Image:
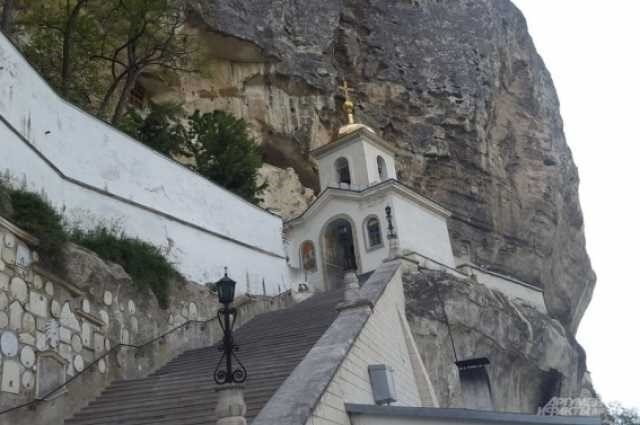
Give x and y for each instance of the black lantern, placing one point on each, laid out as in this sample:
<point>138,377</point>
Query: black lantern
<point>392,233</point>
<point>226,288</point>
<point>227,374</point>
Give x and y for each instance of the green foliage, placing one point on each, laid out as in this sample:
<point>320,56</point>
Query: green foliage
<point>223,152</point>
<point>6,210</point>
<point>215,144</point>
<point>160,129</point>
<point>144,262</point>
<point>619,415</point>
<point>95,51</point>
<point>34,215</point>
<point>64,37</point>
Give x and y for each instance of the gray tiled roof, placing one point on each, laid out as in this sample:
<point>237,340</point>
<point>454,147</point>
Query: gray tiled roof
<point>182,392</point>
<point>438,415</point>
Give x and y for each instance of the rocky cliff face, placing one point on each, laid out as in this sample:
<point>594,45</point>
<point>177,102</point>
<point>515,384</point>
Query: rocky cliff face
<point>533,357</point>
<point>456,85</point>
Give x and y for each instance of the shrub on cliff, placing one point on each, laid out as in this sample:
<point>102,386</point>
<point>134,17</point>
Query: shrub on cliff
<point>6,210</point>
<point>215,144</point>
<point>35,215</point>
<point>144,262</point>
<point>225,153</point>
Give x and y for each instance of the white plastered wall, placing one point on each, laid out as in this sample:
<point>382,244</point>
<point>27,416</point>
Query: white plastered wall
<point>382,341</point>
<point>355,211</point>
<point>354,153</point>
<point>110,178</point>
<point>422,231</point>
<point>371,153</point>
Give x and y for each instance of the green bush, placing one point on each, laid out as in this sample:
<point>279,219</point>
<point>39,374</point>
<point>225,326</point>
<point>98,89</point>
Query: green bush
<point>6,210</point>
<point>33,214</point>
<point>144,262</point>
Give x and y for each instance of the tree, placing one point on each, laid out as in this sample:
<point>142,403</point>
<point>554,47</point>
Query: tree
<point>619,415</point>
<point>160,128</point>
<point>63,35</point>
<point>223,152</point>
<point>6,19</point>
<point>215,144</point>
<point>147,36</point>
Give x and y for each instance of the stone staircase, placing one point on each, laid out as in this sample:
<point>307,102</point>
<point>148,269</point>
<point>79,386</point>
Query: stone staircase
<point>182,392</point>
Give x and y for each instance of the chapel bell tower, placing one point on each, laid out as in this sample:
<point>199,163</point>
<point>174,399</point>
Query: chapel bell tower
<point>358,158</point>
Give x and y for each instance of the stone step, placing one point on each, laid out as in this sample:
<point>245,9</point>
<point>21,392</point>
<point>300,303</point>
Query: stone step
<point>203,400</point>
<point>205,375</point>
<point>162,392</point>
<point>182,392</point>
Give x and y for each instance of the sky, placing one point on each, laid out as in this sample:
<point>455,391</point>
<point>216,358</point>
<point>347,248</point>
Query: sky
<point>592,49</point>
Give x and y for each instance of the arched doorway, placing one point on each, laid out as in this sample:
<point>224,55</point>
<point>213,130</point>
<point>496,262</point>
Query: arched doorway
<point>339,252</point>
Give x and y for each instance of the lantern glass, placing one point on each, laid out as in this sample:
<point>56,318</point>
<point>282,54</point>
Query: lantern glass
<point>226,289</point>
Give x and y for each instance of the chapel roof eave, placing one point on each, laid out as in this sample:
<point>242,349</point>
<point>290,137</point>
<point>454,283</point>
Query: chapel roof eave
<point>387,185</point>
<point>358,132</point>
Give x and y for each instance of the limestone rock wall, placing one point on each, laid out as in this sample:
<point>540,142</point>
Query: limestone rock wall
<point>284,194</point>
<point>52,329</point>
<point>456,85</point>
<point>532,356</point>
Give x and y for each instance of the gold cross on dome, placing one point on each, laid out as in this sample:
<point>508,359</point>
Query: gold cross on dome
<point>348,104</point>
<point>346,90</point>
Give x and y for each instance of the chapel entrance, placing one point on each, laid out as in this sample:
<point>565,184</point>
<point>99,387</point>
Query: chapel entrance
<point>339,252</point>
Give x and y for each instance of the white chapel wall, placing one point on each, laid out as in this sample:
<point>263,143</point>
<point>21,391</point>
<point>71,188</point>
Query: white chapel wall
<point>96,174</point>
<point>356,212</point>
<point>354,153</point>
<point>422,231</point>
<point>382,341</point>
<point>371,153</point>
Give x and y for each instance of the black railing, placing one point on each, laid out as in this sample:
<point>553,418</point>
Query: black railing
<point>45,397</point>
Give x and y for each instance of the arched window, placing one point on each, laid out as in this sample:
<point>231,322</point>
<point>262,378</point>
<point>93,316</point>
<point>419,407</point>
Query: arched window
<point>308,256</point>
<point>382,168</point>
<point>342,171</point>
<point>374,234</point>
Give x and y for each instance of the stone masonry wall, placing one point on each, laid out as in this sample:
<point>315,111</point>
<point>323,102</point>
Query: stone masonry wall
<point>52,329</point>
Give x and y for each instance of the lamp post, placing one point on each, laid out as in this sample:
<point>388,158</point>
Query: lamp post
<point>392,236</point>
<point>226,374</point>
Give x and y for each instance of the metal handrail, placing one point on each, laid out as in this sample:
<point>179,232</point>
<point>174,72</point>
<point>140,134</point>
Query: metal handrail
<point>95,361</point>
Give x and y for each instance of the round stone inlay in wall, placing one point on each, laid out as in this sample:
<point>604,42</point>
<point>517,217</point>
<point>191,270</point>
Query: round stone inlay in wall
<point>78,363</point>
<point>28,323</point>
<point>4,282</point>
<point>9,344</point>
<point>28,357</point>
<point>4,320</point>
<point>48,288</point>
<point>4,301</point>
<point>76,343</point>
<point>19,289</point>
<point>132,307</point>
<point>102,366</point>
<point>37,282</point>
<point>104,316</point>
<point>55,309</point>
<point>108,297</point>
<point>9,240</point>
<point>134,325</point>
<point>86,305</point>
<point>28,380</point>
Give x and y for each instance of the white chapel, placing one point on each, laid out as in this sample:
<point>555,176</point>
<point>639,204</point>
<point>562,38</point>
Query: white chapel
<point>362,213</point>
